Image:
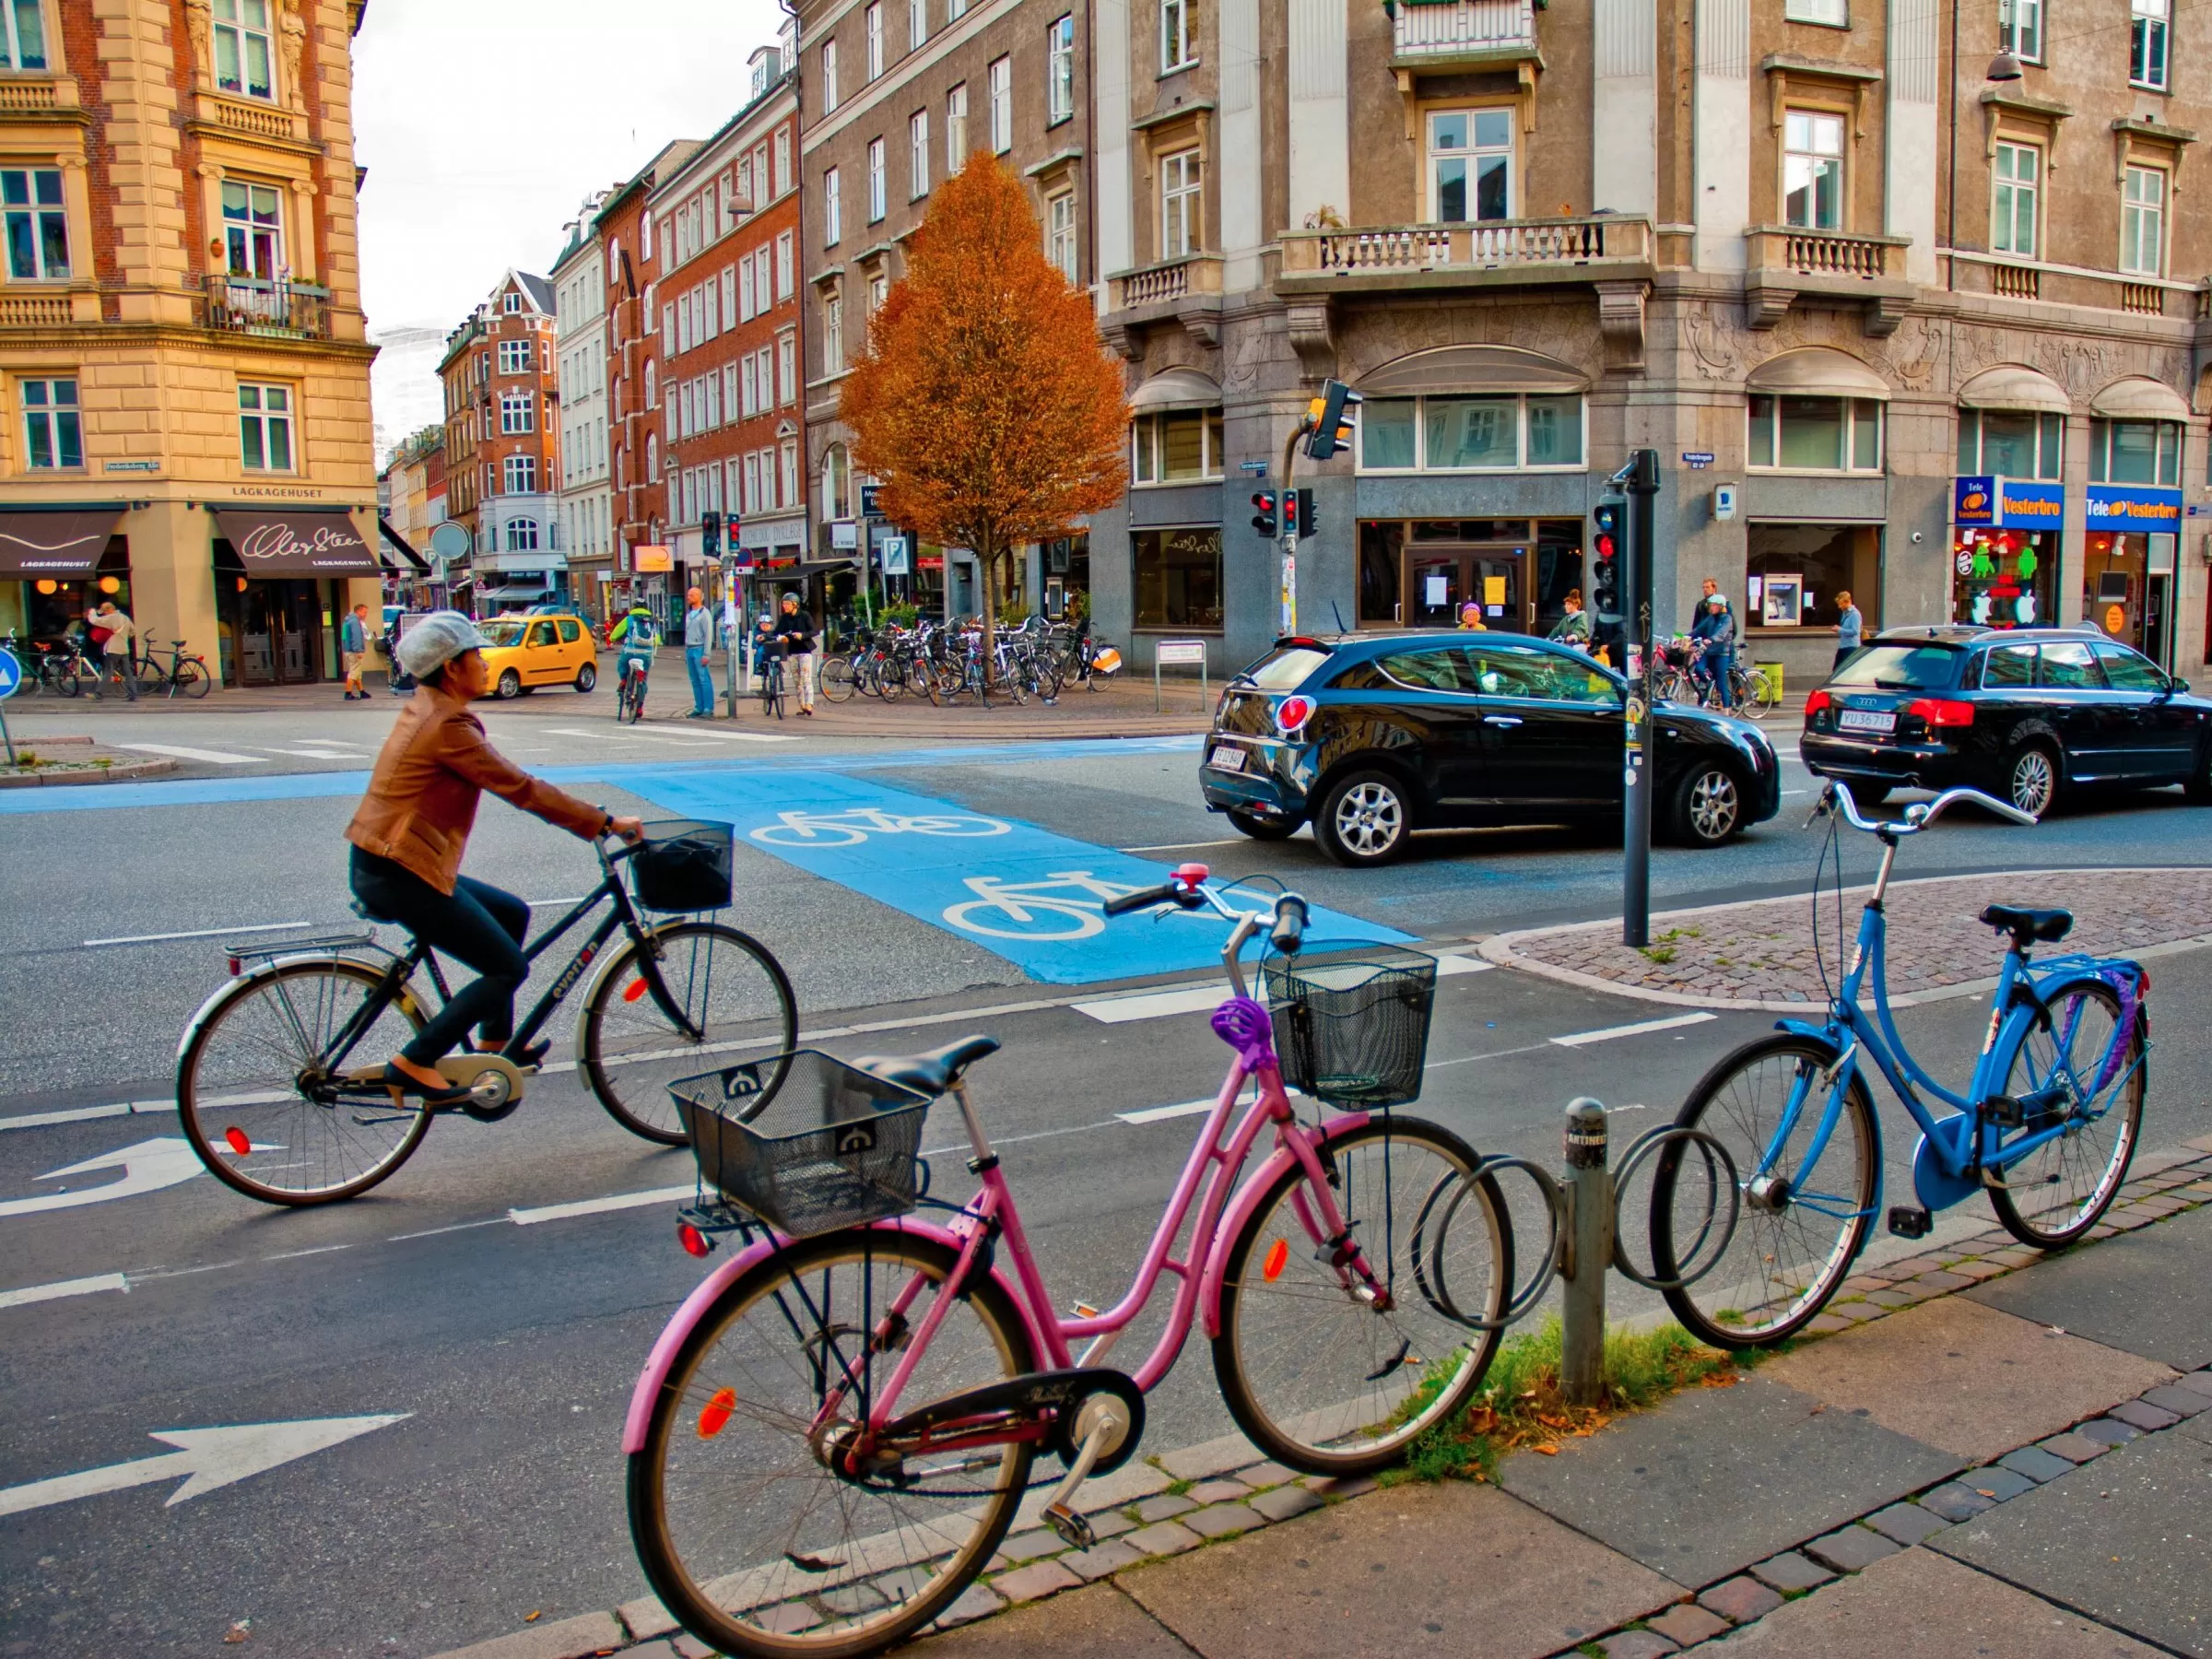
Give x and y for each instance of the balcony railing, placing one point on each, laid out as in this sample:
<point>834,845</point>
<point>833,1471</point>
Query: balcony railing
<point>1463,28</point>
<point>2144,298</point>
<point>1171,280</point>
<point>35,311</point>
<point>1503,244</point>
<point>280,309</point>
<point>1827,253</point>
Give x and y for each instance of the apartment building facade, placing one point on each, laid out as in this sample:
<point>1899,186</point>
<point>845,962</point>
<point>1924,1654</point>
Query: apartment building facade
<point>1900,316</point>
<point>895,95</point>
<point>183,358</point>
<point>502,386</point>
<point>586,506</point>
<point>412,491</point>
<point>727,232</point>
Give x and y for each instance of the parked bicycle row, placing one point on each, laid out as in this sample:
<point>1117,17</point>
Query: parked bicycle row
<point>949,662</point>
<point>76,666</point>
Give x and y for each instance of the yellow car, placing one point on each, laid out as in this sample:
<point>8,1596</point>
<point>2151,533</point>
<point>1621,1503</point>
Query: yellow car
<point>525,653</point>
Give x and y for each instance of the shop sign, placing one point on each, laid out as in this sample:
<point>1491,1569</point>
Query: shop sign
<point>844,535</point>
<point>647,558</point>
<point>2008,503</point>
<point>2136,506</point>
<point>131,466</point>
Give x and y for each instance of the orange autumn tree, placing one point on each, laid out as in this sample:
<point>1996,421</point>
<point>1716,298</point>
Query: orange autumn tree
<point>983,403</point>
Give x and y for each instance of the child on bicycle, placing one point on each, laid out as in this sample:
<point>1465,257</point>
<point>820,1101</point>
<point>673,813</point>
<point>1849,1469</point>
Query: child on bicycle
<point>638,636</point>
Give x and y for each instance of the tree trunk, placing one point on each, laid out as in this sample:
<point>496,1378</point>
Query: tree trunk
<point>986,560</point>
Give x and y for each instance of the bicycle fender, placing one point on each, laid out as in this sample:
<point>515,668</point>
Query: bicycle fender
<point>407,1001</point>
<point>1801,1028</point>
<point>662,1360</point>
<point>1240,1206</point>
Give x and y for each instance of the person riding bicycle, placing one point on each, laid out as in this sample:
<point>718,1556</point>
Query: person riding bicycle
<point>638,636</point>
<point>1714,630</point>
<point>412,828</point>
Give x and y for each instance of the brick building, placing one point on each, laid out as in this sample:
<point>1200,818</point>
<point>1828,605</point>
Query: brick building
<point>503,465</point>
<point>182,360</point>
<point>579,278</point>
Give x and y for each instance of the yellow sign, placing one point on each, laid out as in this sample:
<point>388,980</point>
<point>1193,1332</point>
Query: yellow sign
<point>2116,619</point>
<point>647,559</point>
<point>1493,590</point>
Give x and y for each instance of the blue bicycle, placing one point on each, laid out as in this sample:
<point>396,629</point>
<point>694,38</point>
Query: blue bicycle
<point>2046,1127</point>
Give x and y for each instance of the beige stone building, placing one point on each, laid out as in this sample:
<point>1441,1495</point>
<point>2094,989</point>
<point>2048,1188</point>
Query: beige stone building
<point>181,352</point>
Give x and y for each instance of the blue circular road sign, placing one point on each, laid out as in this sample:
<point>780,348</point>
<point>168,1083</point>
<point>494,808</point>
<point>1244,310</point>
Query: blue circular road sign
<point>11,674</point>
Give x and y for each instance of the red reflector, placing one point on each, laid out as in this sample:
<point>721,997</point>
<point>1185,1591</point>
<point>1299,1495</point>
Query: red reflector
<point>1291,714</point>
<point>1942,710</point>
<point>235,966</point>
<point>715,1417</point>
<point>635,989</point>
<point>695,1242</point>
<point>1816,702</point>
<point>1279,1257</point>
<point>238,1140</point>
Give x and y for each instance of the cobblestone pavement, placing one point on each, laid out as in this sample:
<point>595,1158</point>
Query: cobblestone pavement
<point>1761,954</point>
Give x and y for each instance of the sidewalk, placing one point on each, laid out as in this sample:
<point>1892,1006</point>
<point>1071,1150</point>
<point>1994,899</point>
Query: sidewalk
<point>1986,1451</point>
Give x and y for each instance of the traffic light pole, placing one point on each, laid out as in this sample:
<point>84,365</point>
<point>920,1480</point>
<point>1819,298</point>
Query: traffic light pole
<point>1287,511</point>
<point>1639,774</point>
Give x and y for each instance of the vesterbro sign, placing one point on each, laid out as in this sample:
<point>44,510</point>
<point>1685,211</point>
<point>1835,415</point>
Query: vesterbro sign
<point>2134,507</point>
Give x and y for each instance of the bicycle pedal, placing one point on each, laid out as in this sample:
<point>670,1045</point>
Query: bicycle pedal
<point>1909,1223</point>
<point>1073,1529</point>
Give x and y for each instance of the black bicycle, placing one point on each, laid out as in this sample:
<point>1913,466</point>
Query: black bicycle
<point>279,1078</point>
<point>186,674</point>
<point>771,682</point>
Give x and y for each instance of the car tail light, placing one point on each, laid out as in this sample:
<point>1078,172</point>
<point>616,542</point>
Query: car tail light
<point>1942,710</point>
<point>1817,703</point>
<point>1291,714</point>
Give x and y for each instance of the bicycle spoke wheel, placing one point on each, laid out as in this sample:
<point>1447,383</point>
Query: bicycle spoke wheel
<point>2055,1193</point>
<point>743,1530</point>
<point>192,678</point>
<point>1325,1375</point>
<point>1798,1229</point>
<point>257,1097</point>
<point>729,986</point>
<point>837,679</point>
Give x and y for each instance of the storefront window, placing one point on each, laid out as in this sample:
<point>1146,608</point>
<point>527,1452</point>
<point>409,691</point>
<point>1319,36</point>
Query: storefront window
<point>1795,572</point>
<point>2010,443</point>
<point>1178,578</point>
<point>1481,433</point>
<point>2118,574</point>
<point>1179,447</point>
<point>1814,434</point>
<point>2134,452</point>
<point>2004,578</point>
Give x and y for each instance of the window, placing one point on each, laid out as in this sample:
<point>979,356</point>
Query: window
<point>1060,234</point>
<point>787,353</point>
<point>1836,12</point>
<point>875,190</point>
<point>834,335</point>
<point>38,226</point>
<point>2126,671</point>
<point>833,216</point>
<point>2010,443</point>
<point>874,18</point>
<point>2143,222</point>
<point>917,153</point>
<point>1176,447</point>
<point>241,48</point>
<point>2020,27</point>
<point>1002,105</point>
<point>2013,194</point>
<point>917,23</point>
<point>837,480</point>
<point>955,10</point>
<point>746,304</point>
<point>1501,432</point>
<point>783,174</point>
<point>52,430</point>
<point>22,35</point>
<point>2134,452</point>
<point>829,75</point>
<point>1815,434</point>
<point>522,537</point>
<point>748,377</point>
<point>1178,39</point>
<point>517,413</point>
<point>1182,211</point>
<point>518,475</point>
<point>514,357</point>
<point>1812,170</point>
<point>783,266</point>
<point>1470,165</point>
<point>265,427</point>
<point>787,466</point>
<point>1178,578</point>
<point>511,303</point>
<point>2146,41</point>
<point>1059,71</point>
<point>956,129</point>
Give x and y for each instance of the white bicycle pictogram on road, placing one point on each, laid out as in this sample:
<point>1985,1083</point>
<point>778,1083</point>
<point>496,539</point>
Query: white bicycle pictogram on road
<point>851,828</point>
<point>1046,910</point>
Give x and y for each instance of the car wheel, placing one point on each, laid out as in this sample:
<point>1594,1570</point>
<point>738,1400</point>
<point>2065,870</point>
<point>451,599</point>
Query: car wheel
<point>511,683</point>
<point>2032,778</point>
<point>586,677</point>
<point>1364,819</point>
<point>1708,805</point>
<point>1265,829</point>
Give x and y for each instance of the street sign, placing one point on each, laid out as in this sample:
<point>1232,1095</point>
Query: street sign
<point>205,1460</point>
<point>1180,651</point>
<point>893,548</point>
<point>450,540</point>
<point>868,497</point>
<point>1258,469</point>
<point>11,674</point>
<point>1697,458</point>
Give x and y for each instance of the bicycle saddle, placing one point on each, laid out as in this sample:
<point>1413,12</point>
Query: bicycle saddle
<point>2049,925</point>
<point>934,1073</point>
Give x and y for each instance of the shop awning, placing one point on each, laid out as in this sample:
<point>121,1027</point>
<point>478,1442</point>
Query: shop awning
<point>535,595</point>
<point>296,544</point>
<point>1817,371</point>
<point>2013,386</point>
<point>1176,389</point>
<point>63,545</point>
<point>2137,398</point>
<point>422,565</point>
<point>1473,369</point>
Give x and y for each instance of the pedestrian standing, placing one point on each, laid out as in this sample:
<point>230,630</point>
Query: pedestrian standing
<point>1573,628</point>
<point>794,633</point>
<point>1851,628</point>
<point>353,651</point>
<point>112,631</point>
<point>698,635</point>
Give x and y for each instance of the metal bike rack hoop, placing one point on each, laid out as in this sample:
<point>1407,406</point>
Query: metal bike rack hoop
<point>1518,1306</point>
<point>1643,1147</point>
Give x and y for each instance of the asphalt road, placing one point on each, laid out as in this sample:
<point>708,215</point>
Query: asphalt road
<point>511,1338</point>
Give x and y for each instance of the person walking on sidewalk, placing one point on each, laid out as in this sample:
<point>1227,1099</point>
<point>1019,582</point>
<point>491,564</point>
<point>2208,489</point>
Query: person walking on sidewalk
<point>353,651</point>
<point>1851,628</point>
<point>699,638</point>
<point>795,634</point>
<point>112,631</point>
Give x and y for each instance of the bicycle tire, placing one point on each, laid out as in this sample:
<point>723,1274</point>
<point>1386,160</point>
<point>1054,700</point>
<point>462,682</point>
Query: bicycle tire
<point>837,679</point>
<point>282,1120</point>
<point>65,681</point>
<point>1713,1309</point>
<point>759,1020</point>
<point>192,678</point>
<point>1312,1403</point>
<point>2127,1092</point>
<point>791,1526</point>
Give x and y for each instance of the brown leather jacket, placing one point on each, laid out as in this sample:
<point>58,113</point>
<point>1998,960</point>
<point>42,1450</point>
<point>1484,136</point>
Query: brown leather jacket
<point>422,796</point>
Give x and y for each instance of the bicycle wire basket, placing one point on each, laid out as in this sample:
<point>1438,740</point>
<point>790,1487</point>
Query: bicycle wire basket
<point>1351,1020</point>
<point>683,864</point>
<point>827,1147</point>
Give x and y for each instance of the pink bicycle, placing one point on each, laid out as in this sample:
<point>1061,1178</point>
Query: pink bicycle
<point>835,1432</point>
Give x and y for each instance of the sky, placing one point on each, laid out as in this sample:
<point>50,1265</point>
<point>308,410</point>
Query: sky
<point>484,123</point>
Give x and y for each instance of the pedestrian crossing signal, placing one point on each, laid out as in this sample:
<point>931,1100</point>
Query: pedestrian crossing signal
<point>1607,520</point>
<point>1264,513</point>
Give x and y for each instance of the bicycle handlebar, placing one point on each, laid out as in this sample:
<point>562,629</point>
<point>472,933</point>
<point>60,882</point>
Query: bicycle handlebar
<point>1920,813</point>
<point>1167,893</point>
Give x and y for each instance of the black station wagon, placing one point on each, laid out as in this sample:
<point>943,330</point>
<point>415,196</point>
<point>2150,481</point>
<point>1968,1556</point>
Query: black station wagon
<point>1371,736</point>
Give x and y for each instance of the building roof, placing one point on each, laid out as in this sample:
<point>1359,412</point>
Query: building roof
<point>785,85</point>
<point>675,153</point>
<point>536,289</point>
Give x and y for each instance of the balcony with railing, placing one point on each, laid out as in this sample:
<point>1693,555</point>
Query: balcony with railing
<point>1425,31</point>
<point>278,309</point>
<point>2013,276</point>
<point>1500,252</point>
<point>1170,280</point>
<point>1785,263</point>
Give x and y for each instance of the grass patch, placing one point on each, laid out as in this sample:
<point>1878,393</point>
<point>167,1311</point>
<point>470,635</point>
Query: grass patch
<point>1176,1488</point>
<point>1660,954</point>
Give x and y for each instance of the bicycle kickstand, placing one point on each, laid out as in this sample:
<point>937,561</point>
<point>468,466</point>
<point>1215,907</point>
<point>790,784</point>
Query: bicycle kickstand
<point>1102,1422</point>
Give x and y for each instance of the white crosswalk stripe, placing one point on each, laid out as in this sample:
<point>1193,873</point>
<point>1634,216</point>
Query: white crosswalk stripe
<point>177,751</point>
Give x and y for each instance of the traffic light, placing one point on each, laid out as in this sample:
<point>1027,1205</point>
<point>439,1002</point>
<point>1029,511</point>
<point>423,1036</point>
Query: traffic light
<point>1329,431</point>
<point>1263,513</point>
<point>709,535</point>
<point>1608,519</point>
<point>1292,523</point>
<point>1309,523</point>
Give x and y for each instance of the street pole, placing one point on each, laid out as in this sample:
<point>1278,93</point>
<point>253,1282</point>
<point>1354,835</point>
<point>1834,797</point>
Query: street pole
<point>1588,1255</point>
<point>1639,776</point>
<point>1285,516</point>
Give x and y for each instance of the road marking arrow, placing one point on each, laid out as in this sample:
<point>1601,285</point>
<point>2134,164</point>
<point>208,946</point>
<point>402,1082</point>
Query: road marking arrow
<point>206,1458</point>
<point>147,1168</point>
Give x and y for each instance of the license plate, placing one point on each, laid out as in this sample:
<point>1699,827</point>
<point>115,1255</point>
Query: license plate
<point>1867,720</point>
<point>1228,757</point>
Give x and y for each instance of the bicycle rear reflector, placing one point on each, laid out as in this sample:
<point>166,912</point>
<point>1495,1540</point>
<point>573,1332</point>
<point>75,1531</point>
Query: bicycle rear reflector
<point>635,990</point>
<point>238,1140</point>
<point>715,1417</point>
<point>1279,1257</point>
<point>695,1244</point>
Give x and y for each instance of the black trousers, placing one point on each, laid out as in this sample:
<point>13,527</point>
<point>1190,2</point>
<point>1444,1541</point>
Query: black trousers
<point>479,925</point>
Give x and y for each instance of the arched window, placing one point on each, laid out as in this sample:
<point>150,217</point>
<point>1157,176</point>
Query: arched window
<point>836,482</point>
<point>522,536</point>
<point>652,458</point>
<point>651,385</point>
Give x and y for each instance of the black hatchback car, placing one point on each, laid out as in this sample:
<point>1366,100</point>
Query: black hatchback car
<point>1370,736</point>
<point>2025,713</point>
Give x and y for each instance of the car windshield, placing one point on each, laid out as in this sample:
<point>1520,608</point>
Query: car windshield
<point>1284,669</point>
<point>1899,667</point>
<point>501,633</point>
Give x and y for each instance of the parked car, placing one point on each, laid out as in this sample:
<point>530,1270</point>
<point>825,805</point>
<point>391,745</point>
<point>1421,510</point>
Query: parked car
<point>2026,713</point>
<point>1371,736</point>
<point>526,652</point>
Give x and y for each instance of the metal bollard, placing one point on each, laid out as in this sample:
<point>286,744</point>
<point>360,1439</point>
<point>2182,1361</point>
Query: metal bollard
<point>1588,1254</point>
